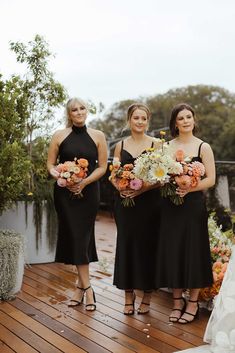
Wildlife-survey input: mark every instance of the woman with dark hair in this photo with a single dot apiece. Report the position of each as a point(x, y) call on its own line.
point(76, 216)
point(137, 225)
point(183, 258)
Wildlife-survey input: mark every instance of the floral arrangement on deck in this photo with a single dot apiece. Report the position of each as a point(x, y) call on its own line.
point(220, 247)
point(72, 172)
point(124, 178)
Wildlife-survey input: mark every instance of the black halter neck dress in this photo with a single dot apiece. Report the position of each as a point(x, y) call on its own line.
point(76, 216)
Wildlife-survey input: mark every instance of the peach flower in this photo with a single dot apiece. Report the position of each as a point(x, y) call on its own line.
point(179, 155)
point(183, 181)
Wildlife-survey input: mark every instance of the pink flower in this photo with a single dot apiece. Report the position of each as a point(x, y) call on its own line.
point(61, 182)
point(136, 184)
point(198, 169)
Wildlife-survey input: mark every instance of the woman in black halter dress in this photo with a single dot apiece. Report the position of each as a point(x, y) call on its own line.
point(76, 216)
point(137, 226)
point(183, 252)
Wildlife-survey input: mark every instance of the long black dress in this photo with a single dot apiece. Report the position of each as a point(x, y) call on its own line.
point(137, 229)
point(76, 216)
point(183, 252)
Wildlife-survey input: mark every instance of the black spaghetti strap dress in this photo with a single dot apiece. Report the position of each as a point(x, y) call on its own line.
point(137, 229)
point(76, 216)
point(183, 252)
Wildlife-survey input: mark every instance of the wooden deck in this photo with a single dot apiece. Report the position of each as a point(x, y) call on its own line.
point(39, 320)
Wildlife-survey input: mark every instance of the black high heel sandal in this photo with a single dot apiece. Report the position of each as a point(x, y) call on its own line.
point(195, 316)
point(93, 305)
point(141, 311)
point(130, 311)
point(175, 318)
point(75, 302)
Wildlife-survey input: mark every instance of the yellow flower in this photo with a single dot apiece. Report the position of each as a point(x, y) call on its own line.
point(162, 133)
point(159, 172)
point(30, 193)
point(150, 149)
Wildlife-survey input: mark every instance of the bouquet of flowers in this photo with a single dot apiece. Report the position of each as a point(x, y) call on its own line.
point(72, 172)
point(158, 164)
point(220, 248)
point(189, 176)
point(124, 179)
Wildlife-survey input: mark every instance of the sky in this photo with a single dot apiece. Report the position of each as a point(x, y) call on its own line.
point(107, 50)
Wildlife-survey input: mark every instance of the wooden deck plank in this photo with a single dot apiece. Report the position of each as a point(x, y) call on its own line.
point(95, 319)
point(27, 335)
point(40, 312)
point(107, 292)
point(162, 342)
point(42, 331)
point(10, 334)
point(4, 348)
point(69, 321)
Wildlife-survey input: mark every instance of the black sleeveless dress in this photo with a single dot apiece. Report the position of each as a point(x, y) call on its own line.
point(183, 253)
point(76, 216)
point(137, 231)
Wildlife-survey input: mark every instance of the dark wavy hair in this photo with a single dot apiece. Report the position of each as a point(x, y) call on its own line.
point(175, 111)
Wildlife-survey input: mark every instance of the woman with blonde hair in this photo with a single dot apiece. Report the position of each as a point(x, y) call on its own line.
point(76, 215)
point(137, 225)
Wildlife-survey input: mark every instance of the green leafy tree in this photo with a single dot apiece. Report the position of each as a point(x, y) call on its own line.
point(44, 94)
point(14, 161)
point(214, 106)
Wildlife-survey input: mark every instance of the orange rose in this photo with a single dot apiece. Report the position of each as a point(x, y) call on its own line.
point(128, 166)
point(83, 162)
point(81, 174)
point(123, 184)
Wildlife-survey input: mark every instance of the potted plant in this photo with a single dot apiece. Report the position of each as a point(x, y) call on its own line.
point(11, 263)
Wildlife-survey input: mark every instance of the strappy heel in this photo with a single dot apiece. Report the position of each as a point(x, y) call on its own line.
point(194, 316)
point(132, 310)
point(140, 311)
point(175, 318)
point(92, 306)
point(75, 302)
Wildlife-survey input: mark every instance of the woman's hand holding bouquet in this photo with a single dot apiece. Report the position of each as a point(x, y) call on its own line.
point(125, 181)
point(72, 174)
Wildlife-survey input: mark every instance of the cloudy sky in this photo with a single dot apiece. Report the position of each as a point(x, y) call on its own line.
point(109, 50)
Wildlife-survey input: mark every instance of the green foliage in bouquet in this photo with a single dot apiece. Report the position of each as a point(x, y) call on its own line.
point(169, 190)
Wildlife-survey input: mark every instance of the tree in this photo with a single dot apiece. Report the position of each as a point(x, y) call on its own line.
point(14, 162)
point(43, 92)
point(214, 106)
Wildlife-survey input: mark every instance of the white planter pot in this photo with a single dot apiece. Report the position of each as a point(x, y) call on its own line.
point(37, 250)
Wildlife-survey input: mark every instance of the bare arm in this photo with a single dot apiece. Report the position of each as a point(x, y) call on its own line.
point(53, 154)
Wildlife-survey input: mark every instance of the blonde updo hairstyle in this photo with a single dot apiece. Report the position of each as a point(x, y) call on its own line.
point(69, 106)
point(131, 109)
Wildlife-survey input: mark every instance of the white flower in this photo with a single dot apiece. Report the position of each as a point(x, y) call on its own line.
point(65, 175)
point(158, 172)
